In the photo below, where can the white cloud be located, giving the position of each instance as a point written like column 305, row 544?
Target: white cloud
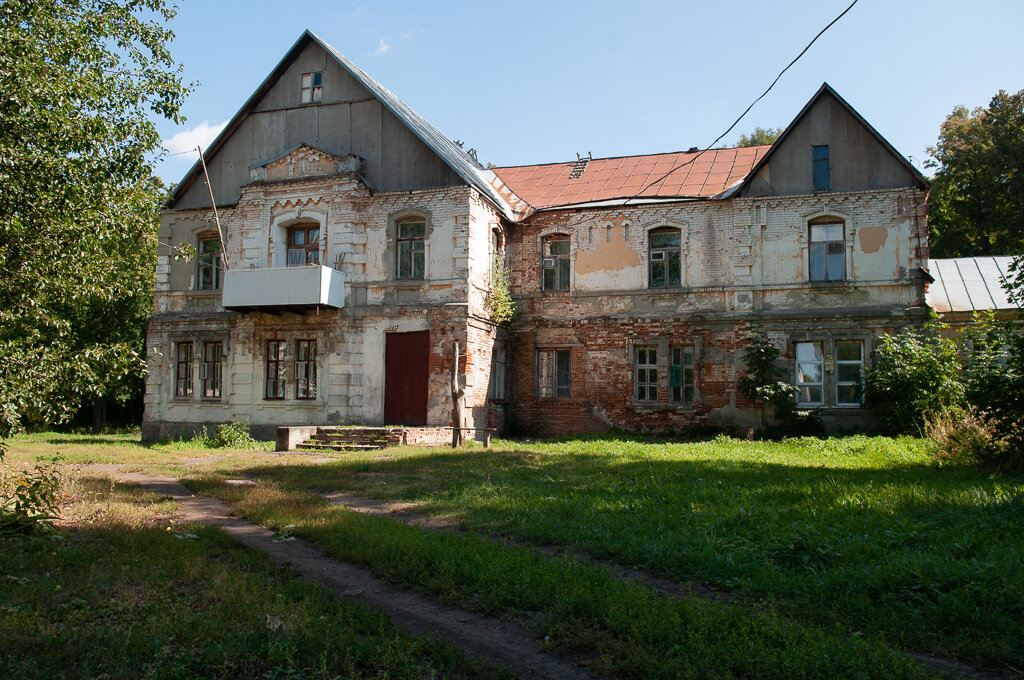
column 382, row 48
column 185, row 142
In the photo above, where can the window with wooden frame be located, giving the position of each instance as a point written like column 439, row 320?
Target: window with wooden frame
column 665, row 261
column 211, row 369
column 554, row 374
column 411, row 249
column 208, row 262
column 498, row 360
column 312, row 87
column 305, row 369
column 810, row 373
column 681, row 375
column 849, row 372
column 183, row 369
column 554, row 263
column 303, row 245
column 827, row 251
column 645, row 373
column 274, row 384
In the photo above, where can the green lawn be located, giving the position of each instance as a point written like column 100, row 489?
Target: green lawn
column 121, row 591
column 837, row 552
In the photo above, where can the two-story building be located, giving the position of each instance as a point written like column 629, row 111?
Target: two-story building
column 352, row 243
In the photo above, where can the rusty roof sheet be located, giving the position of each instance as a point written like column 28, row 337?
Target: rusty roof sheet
column 690, row 175
column 969, row 284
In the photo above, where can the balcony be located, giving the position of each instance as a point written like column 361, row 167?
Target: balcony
column 281, row 288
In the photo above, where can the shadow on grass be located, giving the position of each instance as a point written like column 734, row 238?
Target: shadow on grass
column 932, row 557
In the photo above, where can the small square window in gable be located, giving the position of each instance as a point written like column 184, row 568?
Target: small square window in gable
column 312, row 87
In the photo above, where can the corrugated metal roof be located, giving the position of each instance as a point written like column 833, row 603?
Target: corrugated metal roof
column 969, row 284
column 701, row 175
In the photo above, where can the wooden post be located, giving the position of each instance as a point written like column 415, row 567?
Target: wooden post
column 457, row 437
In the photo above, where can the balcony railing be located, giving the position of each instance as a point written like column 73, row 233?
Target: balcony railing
column 282, row 287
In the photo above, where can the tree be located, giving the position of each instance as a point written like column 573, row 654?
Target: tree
column 79, row 82
column 759, row 137
column 975, row 207
column 762, row 383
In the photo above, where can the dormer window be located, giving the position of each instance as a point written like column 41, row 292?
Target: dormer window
column 312, row 87
column 822, row 175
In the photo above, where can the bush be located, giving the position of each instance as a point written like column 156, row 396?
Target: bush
column 915, row 372
column 28, row 500
column 233, row 436
column 963, row 435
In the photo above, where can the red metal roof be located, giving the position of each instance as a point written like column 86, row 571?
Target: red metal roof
column 701, row 175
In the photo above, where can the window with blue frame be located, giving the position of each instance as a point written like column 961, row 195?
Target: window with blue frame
column 822, row 175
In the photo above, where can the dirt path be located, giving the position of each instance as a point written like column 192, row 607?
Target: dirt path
column 483, row 636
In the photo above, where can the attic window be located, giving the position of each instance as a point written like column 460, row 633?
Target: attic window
column 822, row 178
column 312, row 87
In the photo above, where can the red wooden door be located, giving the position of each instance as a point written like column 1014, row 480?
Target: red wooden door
column 406, row 358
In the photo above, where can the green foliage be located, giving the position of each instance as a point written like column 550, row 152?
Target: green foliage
column 760, row 136
column 994, row 368
column 762, row 383
column 28, row 500
column 80, row 80
column 915, row 372
column 233, row 435
column 974, row 206
column 499, row 301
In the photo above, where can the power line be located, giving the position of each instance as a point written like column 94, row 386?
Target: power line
column 745, row 111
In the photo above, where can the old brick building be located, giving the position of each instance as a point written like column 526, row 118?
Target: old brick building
column 359, row 242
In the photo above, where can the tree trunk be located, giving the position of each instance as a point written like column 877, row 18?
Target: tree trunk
column 458, row 438
column 99, row 415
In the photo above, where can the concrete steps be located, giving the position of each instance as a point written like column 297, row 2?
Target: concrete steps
column 353, row 438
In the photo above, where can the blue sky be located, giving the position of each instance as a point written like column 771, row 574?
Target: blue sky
column 534, row 82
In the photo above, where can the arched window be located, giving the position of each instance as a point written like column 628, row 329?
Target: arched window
column 664, row 260
column 827, row 251
column 554, row 263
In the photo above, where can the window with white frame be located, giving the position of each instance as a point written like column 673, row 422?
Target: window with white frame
column 645, row 373
column 554, row 263
column 849, row 372
column 312, row 87
column 554, row 376
column 827, row 252
column 681, row 375
column 810, row 373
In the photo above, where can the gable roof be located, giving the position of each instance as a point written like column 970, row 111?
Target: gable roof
column 451, row 153
column 826, row 89
column 696, row 175
column 969, row 284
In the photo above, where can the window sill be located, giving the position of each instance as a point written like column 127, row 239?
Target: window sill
column 653, row 407
column 831, row 285
column 204, row 293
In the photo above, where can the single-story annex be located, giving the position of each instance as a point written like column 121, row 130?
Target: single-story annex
column 353, row 243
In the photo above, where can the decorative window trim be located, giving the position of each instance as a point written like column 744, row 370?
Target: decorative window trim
column 277, row 238
column 828, row 220
column 644, row 247
column 663, row 255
